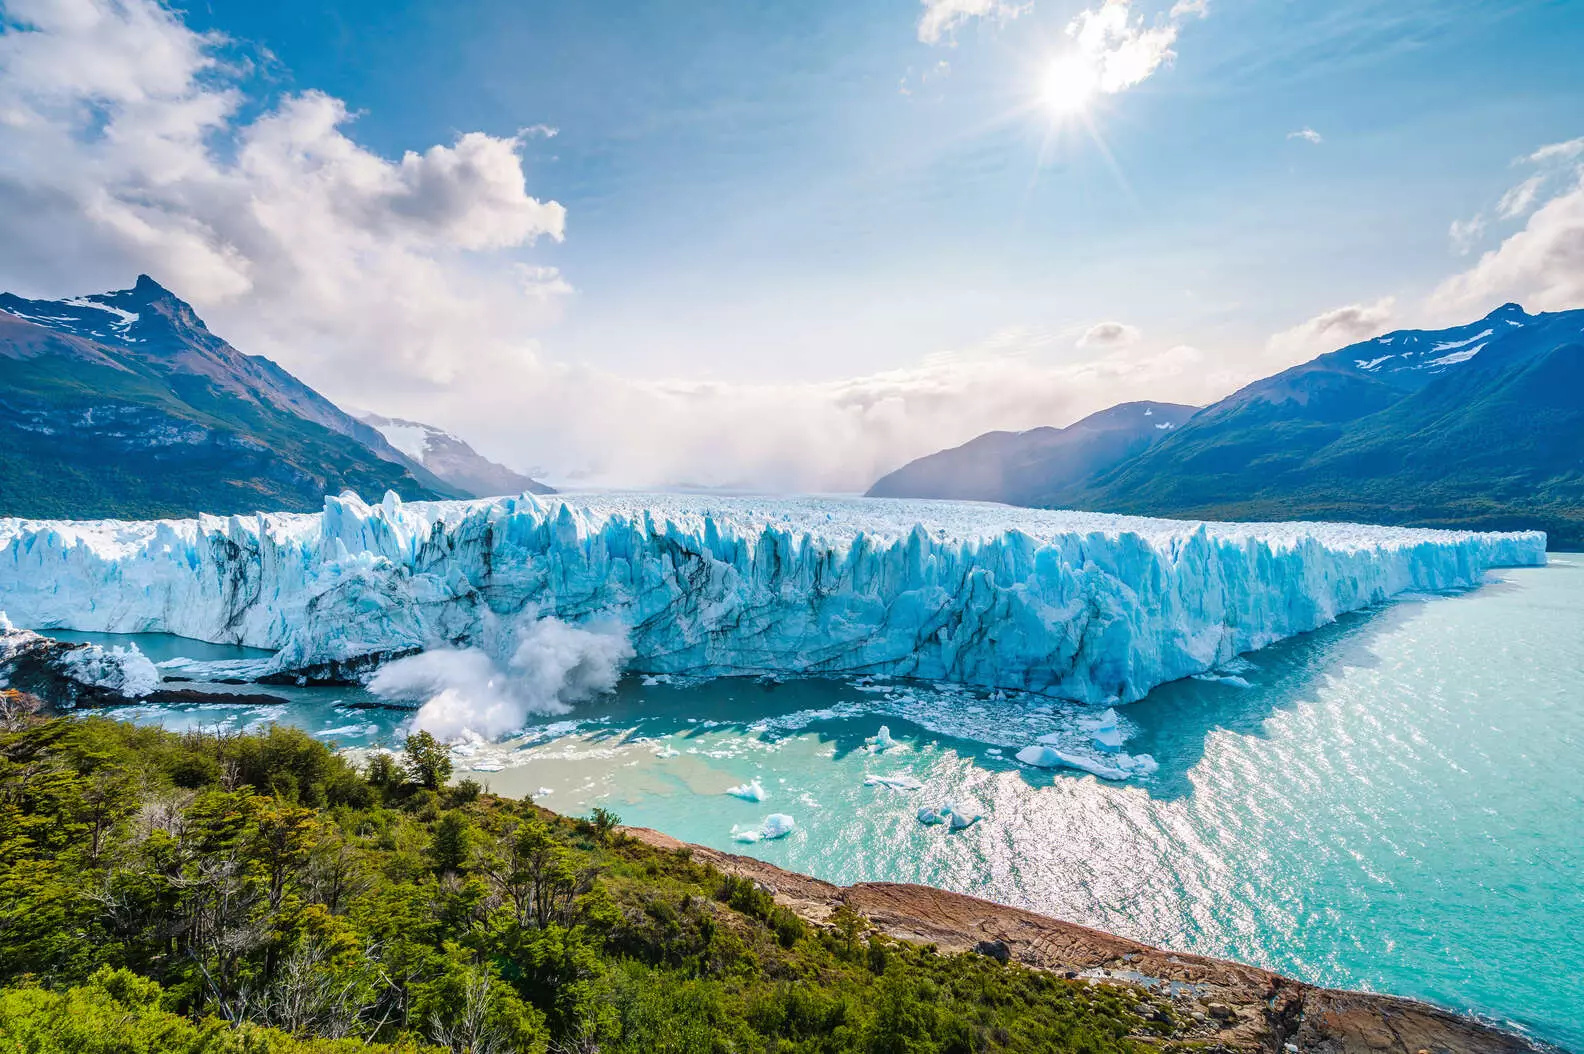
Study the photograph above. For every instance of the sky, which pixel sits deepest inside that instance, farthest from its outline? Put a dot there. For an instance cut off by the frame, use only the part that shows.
(789, 247)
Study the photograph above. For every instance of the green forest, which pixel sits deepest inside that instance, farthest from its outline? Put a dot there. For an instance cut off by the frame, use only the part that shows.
(260, 894)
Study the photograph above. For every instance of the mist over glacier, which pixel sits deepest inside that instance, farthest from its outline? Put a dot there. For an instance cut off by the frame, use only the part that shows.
(1083, 607)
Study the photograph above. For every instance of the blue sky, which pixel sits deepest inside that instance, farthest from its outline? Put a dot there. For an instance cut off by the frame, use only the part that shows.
(810, 196)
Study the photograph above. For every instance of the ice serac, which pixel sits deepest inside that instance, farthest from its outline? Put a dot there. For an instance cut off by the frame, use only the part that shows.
(1080, 606)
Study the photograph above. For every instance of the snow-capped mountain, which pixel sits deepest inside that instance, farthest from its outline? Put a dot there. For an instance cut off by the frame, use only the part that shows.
(125, 404)
(451, 458)
(1480, 425)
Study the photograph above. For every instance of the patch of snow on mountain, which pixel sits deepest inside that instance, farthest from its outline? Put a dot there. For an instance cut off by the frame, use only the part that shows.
(124, 318)
(1370, 364)
(1451, 344)
(1454, 358)
(411, 440)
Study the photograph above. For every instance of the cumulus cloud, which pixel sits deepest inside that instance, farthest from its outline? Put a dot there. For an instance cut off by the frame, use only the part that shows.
(125, 147)
(1196, 8)
(1333, 329)
(1108, 335)
(942, 18)
(1118, 46)
(1308, 135)
(1541, 265)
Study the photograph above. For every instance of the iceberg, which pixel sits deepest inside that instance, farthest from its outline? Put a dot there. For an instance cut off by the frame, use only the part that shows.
(931, 817)
(753, 790)
(881, 741)
(1113, 766)
(776, 825)
(1083, 607)
(962, 816)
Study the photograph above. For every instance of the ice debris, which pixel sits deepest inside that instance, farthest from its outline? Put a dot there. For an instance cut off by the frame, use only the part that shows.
(954, 814)
(753, 790)
(881, 741)
(776, 825)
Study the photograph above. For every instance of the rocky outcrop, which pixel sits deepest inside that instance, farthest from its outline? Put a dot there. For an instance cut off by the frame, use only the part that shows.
(1216, 1004)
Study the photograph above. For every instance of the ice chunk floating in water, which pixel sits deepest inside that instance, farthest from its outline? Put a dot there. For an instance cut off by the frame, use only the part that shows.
(776, 825)
(753, 790)
(1080, 606)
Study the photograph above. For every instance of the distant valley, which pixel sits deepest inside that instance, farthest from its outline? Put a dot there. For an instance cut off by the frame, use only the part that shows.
(1477, 426)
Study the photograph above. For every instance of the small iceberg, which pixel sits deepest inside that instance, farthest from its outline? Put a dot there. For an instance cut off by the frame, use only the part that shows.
(753, 790)
(1118, 767)
(963, 817)
(905, 783)
(1108, 739)
(881, 741)
(776, 825)
(957, 816)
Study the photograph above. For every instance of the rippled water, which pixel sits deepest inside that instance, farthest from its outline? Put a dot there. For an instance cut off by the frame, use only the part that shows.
(1393, 804)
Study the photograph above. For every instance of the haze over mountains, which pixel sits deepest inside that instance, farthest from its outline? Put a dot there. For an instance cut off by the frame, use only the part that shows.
(1043, 466)
(124, 404)
(1477, 426)
(451, 458)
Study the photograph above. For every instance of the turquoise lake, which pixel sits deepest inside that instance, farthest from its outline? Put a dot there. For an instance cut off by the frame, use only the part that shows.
(1393, 802)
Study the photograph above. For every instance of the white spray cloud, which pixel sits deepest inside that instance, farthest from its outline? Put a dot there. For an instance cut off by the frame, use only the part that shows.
(486, 692)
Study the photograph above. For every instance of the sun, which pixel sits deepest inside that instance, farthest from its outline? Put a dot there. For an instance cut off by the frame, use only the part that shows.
(1070, 84)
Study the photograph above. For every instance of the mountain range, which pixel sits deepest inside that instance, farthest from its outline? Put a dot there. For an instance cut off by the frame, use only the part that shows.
(1037, 467)
(124, 404)
(1477, 426)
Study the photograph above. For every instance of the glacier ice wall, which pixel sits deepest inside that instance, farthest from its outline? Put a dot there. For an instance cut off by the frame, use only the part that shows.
(1079, 606)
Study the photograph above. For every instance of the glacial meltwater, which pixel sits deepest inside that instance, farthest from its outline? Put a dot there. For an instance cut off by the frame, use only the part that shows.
(1391, 803)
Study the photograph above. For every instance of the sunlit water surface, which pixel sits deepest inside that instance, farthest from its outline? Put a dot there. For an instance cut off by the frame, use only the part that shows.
(1394, 803)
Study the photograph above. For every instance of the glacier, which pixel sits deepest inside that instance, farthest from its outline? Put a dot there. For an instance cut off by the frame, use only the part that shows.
(1085, 607)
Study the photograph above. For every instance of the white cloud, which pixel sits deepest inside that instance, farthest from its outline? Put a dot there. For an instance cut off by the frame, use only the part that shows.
(125, 149)
(1308, 135)
(1119, 50)
(1541, 265)
(941, 18)
(1333, 329)
(1521, 198)
(1108, 335)
(1553, 152)
(1465, 233)
(844, 434)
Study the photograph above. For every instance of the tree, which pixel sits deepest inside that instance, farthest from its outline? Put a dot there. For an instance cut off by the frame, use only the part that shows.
(452, 837)
(428, 761)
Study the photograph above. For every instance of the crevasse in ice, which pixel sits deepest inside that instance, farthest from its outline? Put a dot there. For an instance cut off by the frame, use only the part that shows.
(1080, 606)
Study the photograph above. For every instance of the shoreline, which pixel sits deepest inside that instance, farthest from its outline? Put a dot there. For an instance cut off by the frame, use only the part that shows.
(1238, 1007)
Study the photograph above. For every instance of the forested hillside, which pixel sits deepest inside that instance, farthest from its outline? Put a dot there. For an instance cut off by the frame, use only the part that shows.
(259, 893)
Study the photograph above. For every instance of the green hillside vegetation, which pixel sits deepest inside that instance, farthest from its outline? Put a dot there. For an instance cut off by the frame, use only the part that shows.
(225, 454)
(259, 893)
